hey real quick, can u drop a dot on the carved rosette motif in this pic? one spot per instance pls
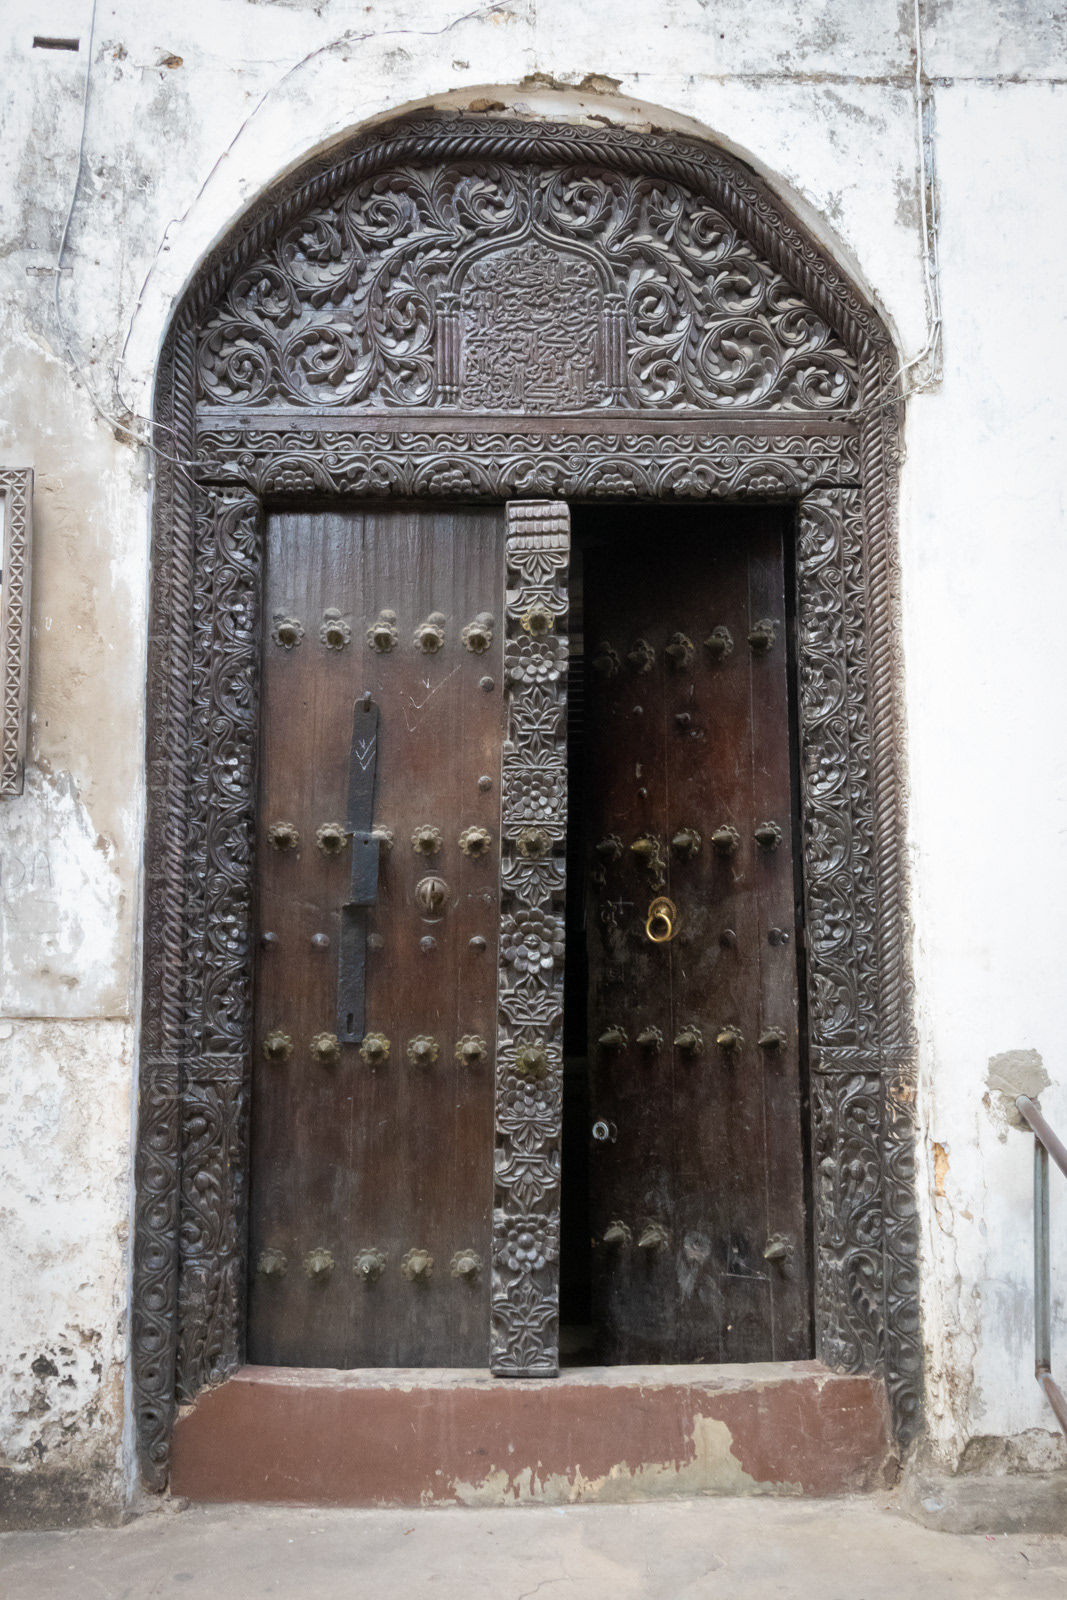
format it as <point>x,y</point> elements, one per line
<point>332,346</point>
<point>533,818</point>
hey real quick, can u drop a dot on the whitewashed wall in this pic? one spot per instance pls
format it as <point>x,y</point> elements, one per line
<point>192,110</point>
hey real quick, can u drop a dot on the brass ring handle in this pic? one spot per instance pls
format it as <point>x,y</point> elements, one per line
<point>660,926</point>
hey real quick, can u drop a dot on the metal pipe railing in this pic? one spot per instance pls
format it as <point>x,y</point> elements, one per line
<point>1046,1143</point>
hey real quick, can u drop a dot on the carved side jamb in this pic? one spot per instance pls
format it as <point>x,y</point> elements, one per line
<point>16,517</point>
<point>533,831</point>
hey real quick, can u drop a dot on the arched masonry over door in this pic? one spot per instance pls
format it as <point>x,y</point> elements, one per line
<point>464,311</point>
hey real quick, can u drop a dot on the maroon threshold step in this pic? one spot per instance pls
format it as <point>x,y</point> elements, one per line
<point>406,1437</point>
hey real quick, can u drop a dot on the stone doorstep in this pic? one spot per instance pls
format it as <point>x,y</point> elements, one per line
<point>417,1437</point>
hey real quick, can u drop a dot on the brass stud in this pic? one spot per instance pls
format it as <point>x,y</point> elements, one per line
<point>726,840</point>
<point>375,1049</point>
<point>762,636</point>
<point>532,1060</point>
<point>466,1264</point>
<point>287,631</point>
<point>650,1039</point>
<point>679,649</point>
<point>325,1048</point>
<point>780,1250</point>
<point>609,848</point>
<point>613,1038</point>
<point>320,941</point>
<point>331,838</point>
<point>641,656</point>
<point>431,895</point>
<point>385,836</point>
<point>426,841</point>
<point>423,1050</point>
<point>719,644</point>
<point>334,633</point>
<point>768,835</point>
<point>479,942</point>
<point>417,1266</point>
<point>772,1039</point>
<point>606,663</point>
<point>430,635</point>
<point>319,1264</point>
<point>471,1050</point>
<point>690,1041</point>
<point>478,635</point>
<point>644,848</point>
<point>370,1264</point>
<point>277,1046</point>
<point>654,1237</point>
<point>272,1264</point>
<point>283,836</point>
<point>538,622</point>
<point>729,1037</point>
<point>616,1234</point>
<point>532,843</point>
<point>686,842</point>
<point>382,635</point>
<point>475,842</point>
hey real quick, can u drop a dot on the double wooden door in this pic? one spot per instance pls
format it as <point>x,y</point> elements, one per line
<point>384,728</point>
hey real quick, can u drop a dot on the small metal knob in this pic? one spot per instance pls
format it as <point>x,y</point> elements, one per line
<point>277,1046</point>
<point>616,1234</point>
<point>423,1050</point>
<point>335,632</point>
<point>762,635</point>
<point>606,663</point>
<point>690,1041</point>
<point>382,635</point>
<point>283,836</point>
<point>726,840</point>
<point>431,895</point>
<point>777,936</point>
<point>538,621</point>
<point>729,1037</point>
<point>719,643</point>
<point>475,842</point>
<point>268,940</point>
<point>471,1050</point>
<point>320,941</point>
<point>318,1265</point>
<point>375,1049</point>
<point>331,838</point>
<point>780,1251</point>
<point>417,1266</point>
<point>478,635</point>
<point>272,1264</point>
<point>427,944</point>
<point>641,656</point>
<point>466,1264</point>
<point>478,942</point>
<point>654,1237</point>
<point>686,842</point>
<point>430,635</point>
<point>325,1048</point>
<point>370,1264</point>
<point>426,840</point>
<point>287,631</point>
<point>644,848</point>
<point>679,649</point>
<point>532,1061</point>
<point>772,1039</point>
<point>768,835</point>
<point>609,848</point>
<point>532,843</point>
<point>613,1038</point>
<point>650,1039</point>
<point>385,837</point>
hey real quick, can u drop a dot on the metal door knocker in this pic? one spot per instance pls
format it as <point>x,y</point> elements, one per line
<point>662,923</point>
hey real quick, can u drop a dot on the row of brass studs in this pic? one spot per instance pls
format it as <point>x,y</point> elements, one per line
<point>417,1265</point>
<point>332,837</point>
<point>680,649</point>
<point>382,635</point>
<point>422,1051</point>
<point>690,1040</point>
<point>654,1236</point>
<point>687,843</point>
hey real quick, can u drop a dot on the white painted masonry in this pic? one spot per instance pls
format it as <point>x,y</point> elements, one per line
<point>191,112</point>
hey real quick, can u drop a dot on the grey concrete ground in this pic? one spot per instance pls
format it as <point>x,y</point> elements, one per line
<point>678,1550</point>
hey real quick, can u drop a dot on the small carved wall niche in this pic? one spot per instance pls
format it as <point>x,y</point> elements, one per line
<point>16,502</point>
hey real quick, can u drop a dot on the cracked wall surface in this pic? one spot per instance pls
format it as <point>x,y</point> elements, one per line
<point>191,112</point>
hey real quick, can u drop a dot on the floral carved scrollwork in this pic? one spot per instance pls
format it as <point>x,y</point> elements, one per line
<point>530,997</point>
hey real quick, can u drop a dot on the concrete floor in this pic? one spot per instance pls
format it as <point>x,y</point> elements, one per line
<point>715,1549</point>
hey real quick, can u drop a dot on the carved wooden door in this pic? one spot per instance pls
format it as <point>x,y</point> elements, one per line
<point>404,1197</point>
<point>696,1164</point>
<point>372,1135</point>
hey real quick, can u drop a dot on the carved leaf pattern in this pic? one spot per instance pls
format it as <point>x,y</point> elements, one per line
<point>530,985</point>
<point>601,289</point>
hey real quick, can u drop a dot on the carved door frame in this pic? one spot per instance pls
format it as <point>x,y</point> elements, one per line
<point>228,449</point>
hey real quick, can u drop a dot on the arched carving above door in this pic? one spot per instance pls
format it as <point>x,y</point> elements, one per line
<point>341,342</point>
